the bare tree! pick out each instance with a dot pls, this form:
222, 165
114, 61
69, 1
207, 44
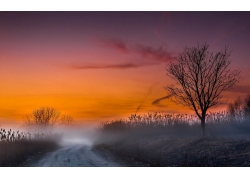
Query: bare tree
239, 109
43, 116
236, 110
201, 77
66, 120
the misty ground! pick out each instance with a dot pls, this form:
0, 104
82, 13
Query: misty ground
75, 154
147, 147
182, 151
150, 151
71, 156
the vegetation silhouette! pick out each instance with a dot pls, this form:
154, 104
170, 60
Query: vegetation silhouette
45, 116
161, 139
17, 146
236, 119
66, 120
201, 76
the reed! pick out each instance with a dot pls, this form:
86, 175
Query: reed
216, 122
17, 146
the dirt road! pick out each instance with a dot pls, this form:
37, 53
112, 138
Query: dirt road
75, 156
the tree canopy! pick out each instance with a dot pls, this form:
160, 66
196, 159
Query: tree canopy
201, 77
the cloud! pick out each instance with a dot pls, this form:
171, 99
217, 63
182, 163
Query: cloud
116, 43
150, 53
108, 66
157, 101
154, 54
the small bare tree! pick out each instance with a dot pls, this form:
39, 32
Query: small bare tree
239, 110
201, 77
236, 110
66, 120
43, 116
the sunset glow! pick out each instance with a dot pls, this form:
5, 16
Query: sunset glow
100, 66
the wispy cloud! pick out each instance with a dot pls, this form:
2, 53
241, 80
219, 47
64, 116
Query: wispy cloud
147, 55
107, 66
159, 54
116, 44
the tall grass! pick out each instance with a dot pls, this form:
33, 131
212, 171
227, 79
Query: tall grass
16, 146
160, 139
216, 122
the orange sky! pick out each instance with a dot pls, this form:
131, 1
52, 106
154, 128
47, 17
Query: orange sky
102, 66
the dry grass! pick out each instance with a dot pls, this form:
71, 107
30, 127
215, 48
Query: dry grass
15, 147
182, 152
15, 153
172, 124
174, 140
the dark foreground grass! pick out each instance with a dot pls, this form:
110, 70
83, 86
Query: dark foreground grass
17, 146
16, 152
181, 152
160, 139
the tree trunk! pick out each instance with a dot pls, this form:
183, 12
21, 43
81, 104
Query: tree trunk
203, 130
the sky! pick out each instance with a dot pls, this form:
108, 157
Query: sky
98, 66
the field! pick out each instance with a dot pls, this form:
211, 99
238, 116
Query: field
181, 152
156, 139
174, 140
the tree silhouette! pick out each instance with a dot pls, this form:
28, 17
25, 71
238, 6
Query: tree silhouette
239, 109
43, 116
236, 110
201, 77
66, 120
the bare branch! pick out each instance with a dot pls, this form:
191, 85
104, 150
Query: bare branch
201, 77
66, 120
43, 116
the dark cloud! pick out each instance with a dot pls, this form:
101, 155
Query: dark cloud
157, 101
107, 66
154, 54
117, 44
148, 52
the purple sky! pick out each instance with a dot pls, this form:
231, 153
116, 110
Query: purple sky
80, 62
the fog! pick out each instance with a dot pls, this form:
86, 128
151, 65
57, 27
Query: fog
64, 135
89, 135
146, 141
70, 135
